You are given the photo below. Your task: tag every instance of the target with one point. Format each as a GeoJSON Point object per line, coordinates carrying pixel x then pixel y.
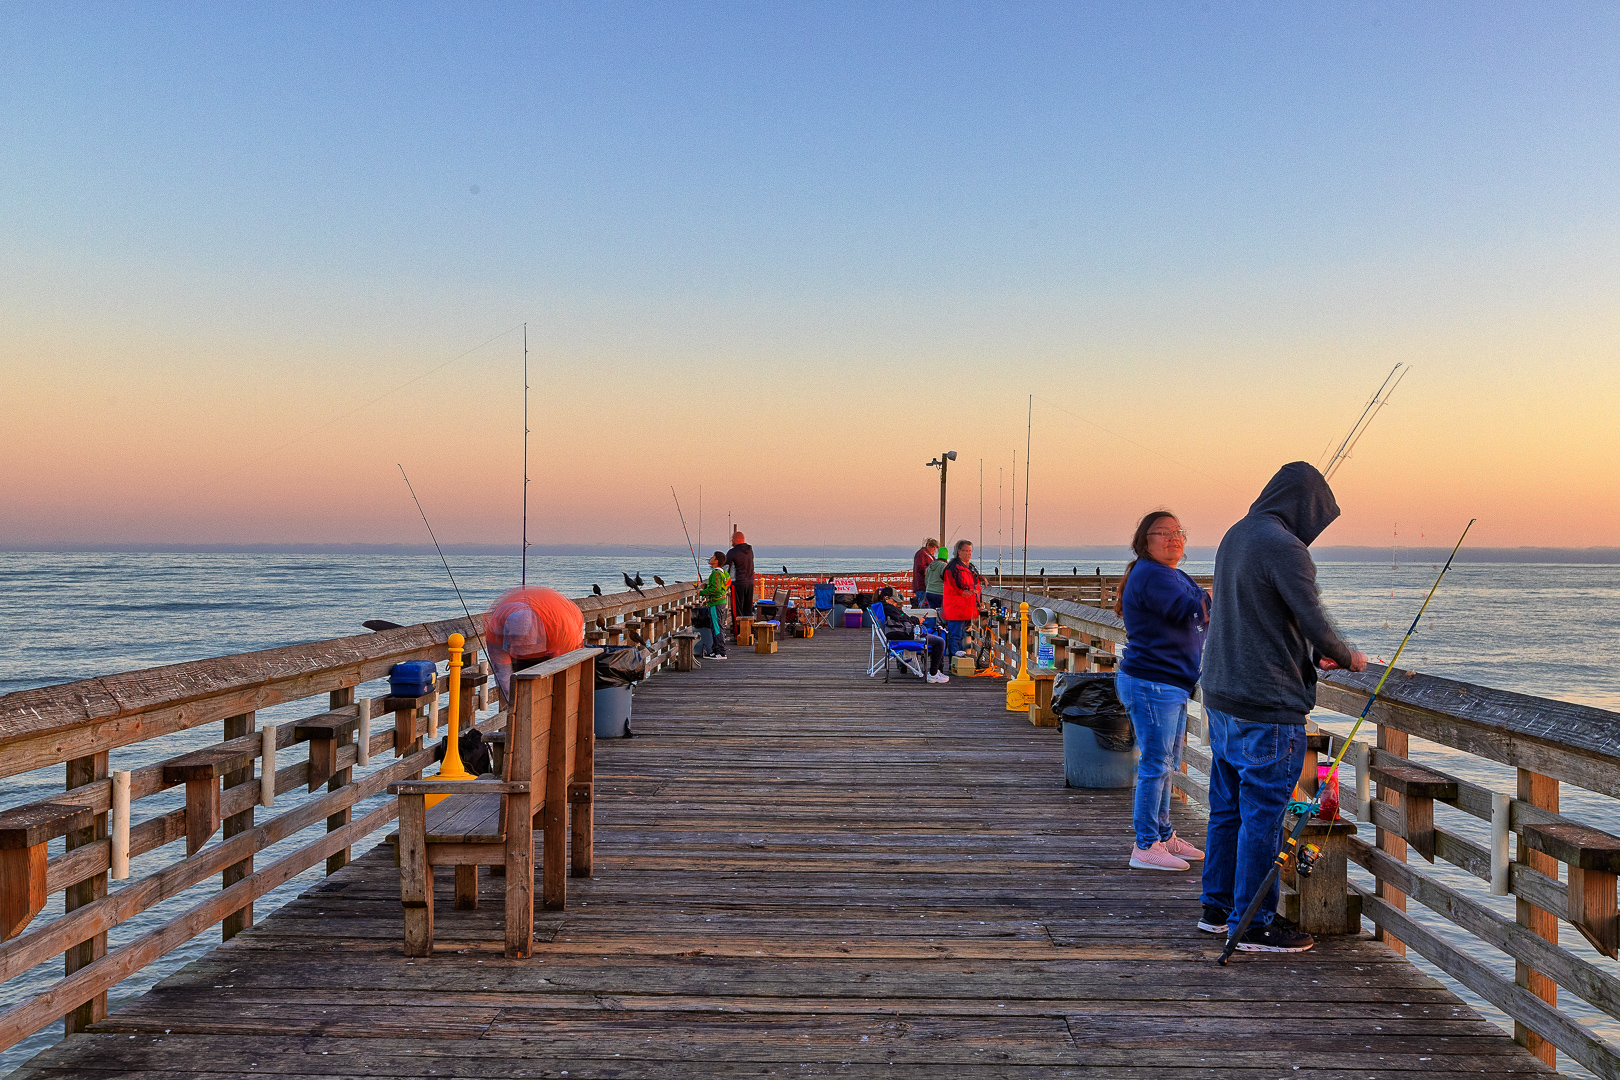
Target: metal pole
{"type": "Point", "coordinates": [944, 463]}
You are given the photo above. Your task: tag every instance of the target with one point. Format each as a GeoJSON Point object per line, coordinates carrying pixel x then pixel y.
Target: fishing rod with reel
{"type": "Point", "coordinates": [1305, 856]}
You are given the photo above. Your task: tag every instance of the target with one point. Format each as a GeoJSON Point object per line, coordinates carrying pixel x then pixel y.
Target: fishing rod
{"type": "Point", "coordinates": [523, 577]}
{"type": "Point", "coordinates": [472, 626]}
{"type": "Point", "coordinates": [1029, 431]}
{"type": "Point", "coordinates": [1375, 405]}
{"type": "Point", "coordinates": [1291, 842]}
{"type": "Point", "coordinates": [689, 546]}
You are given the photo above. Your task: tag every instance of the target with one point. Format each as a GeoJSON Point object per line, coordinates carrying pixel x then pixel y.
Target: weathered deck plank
{"type": "Point", "coordinates": [801, 871]}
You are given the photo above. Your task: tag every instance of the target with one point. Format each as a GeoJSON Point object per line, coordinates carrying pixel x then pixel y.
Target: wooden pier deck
{"type": "Point", "coordinates": [803, 872]}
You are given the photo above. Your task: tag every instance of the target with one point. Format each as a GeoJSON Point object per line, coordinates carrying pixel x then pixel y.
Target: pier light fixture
{"type": "Point", "coordinates": [941, 463]}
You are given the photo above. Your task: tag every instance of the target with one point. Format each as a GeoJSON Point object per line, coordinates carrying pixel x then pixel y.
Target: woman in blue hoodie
{"type": "Point", "coordinates": [1165, 615]}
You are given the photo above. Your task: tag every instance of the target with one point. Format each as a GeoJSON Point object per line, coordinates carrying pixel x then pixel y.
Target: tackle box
{"type": "Point", "coordinates": [414, 678]}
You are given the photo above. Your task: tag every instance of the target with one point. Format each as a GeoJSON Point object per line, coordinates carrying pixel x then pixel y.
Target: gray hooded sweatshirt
{"type": "Point", "coordinates": [1267, 626]}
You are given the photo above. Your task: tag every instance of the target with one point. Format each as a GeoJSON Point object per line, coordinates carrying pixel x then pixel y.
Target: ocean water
{"type": "Point", "coordinates": [1545, 629]}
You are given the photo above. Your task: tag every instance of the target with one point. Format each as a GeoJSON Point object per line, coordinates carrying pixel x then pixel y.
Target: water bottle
{"type": "Point", "coordinates": [1327, 793]}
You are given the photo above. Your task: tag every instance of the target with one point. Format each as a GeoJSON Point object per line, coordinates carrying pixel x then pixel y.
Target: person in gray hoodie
{"type": "Point", "coordinates": [1268, 635]}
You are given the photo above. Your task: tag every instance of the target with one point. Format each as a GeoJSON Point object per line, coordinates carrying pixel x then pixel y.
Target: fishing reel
{"type": "Point", "coordinates": [1305, 859]}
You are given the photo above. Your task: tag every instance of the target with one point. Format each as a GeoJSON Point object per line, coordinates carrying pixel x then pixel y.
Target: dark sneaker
{"type": "Point", "coordinates": [1214, 920]}
{"type": "Point", "coordinates": [1275, 938]}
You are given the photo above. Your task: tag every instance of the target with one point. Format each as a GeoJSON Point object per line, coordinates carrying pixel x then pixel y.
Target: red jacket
{"type": "Point", "coordinates": [919, 568]}
{"type": "Point", "coordinates": [961, 591]}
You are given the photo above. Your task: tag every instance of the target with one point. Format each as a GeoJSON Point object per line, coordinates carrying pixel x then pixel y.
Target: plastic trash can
{"type": "Point", "coordinates": [838, 615]}
{"type": "Point", "coordinates": [613, 712]}
{"type": "Point", "coordinates": [1088, 764]}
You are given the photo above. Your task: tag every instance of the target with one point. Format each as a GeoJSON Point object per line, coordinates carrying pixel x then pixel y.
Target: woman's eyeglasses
{"type": "Point", "coordinates": [1178, 534]}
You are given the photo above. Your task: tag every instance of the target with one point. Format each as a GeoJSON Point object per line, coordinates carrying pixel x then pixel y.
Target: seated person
{"type": "Point", "coordinates": [898, 626]}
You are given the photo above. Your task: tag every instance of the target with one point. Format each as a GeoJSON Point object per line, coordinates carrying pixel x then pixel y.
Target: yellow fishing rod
{"type": "Point", "coordinates": [1291, 841]}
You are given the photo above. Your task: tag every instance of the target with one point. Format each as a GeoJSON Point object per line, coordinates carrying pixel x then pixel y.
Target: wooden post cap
{"type": "Point", "coordinates": [1576, 845]}
{"type": "Point", "coordinates": [30, 826]}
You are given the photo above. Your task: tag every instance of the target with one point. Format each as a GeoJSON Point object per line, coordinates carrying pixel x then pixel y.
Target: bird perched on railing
{"type": "Point", "coordinates": [631, 585]}
{"type": "Point", "coordinates": [639, 582]}
{"type": "Point", "coordinates": [658, 579]}
{"type": "Point", "coordinates": [596, 590]}
{"type": "Point", "coordinates": [784, 569]}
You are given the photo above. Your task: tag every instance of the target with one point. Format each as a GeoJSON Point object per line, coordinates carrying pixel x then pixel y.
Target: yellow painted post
{"type": "Point", "coordinates": [452, 768]}
{"type": "Point", "coordinates": [1021, 690]}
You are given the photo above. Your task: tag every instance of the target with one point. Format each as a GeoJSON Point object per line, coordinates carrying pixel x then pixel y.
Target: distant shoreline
{"type": "Point", "coordinates": [1054, 557]}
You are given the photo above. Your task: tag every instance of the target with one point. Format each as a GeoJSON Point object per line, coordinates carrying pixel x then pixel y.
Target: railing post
{"type": "Point", "coordinates": [239, 920]}
{"type": "Point", "coordinates": [1395, 742]}
{"type": "Point", "coordinates": [337, 699]}
{"type": "Point", "coordinates": [1540, 791]}
{"type": "Point", "coordinates": [82, 771]}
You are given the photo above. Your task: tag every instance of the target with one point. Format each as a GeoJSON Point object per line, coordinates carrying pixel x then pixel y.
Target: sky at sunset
{"type": "Point", "coordinates": [253, 256]}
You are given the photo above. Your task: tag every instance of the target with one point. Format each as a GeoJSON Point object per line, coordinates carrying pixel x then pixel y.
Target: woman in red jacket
{"type": "Point", "coordinates": [962, 584]}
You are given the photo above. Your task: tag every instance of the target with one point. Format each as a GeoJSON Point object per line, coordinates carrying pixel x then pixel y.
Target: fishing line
{"type": "Point", "coordinates": [689, 546]}
{"type": "Point", "coordinates": [472, 627]}
{"type": "Point", "coordinates": [1292, 841]}
{"type": "Point", "coordinates": [1139, 446]}
{"type": "Point", "coordinates": [361, 408]}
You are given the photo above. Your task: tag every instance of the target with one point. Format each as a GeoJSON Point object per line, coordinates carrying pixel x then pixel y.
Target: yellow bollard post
{"type": "Point", "coordinates": [452, 768]}
{"type": "Point", "coordinates": [1021, 690]}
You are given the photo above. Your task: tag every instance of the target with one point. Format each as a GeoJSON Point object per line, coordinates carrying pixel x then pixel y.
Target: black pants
{"type": "Point", "coordinates": [745, 599]}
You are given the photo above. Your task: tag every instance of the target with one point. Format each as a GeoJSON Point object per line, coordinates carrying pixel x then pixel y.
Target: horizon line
{"type": "Point", "coordinates": [1083, 552]}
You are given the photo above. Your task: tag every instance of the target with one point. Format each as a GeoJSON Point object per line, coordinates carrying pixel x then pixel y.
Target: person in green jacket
{"type": "Point", "coordinates": [934, 581]}
{"type": "Point", "coordinates": [716, 594]}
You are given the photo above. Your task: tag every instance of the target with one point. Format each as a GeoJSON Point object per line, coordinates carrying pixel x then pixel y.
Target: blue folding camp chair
{"type": "Point", "coordinates": [820, 615]}
{"type": "Point", "coordinates": [907, 655]}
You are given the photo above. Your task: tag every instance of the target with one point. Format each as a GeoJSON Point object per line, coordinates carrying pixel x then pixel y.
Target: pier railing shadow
{"type": "Point", "coordinates": [1561, 871]}
{"type": "Point", "coordinates": [80, 843]}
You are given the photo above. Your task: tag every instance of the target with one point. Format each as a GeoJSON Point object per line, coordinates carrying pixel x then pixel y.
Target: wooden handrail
{"type": "Point", "coordinates": [82, 722]}
{"type": "Point", "coordinates": [1545, 739]}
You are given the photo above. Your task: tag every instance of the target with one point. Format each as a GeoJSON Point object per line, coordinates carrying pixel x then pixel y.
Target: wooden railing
{"type": "Point", "coordinates": [1547, 743]}
{"type": "Point", "coordinates": [84, 725]}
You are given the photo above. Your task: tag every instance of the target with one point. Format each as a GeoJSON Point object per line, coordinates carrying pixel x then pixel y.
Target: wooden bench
{"type": "Point", "coordinates": [549, 768]}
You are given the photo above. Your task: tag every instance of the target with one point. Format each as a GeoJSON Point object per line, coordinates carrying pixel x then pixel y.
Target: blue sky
{"type": "Point", "coordinates": [250, 196]}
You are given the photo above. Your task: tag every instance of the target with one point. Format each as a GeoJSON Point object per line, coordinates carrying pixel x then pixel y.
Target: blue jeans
{"type": "Point", "coordinates": [1159, 715]}
{"type": "Point", "coordinates": [1255, 769]}
{"type": "Point", "coordinates": [954, 629]}
{"type": "Point", "coordinates": [719, 631]}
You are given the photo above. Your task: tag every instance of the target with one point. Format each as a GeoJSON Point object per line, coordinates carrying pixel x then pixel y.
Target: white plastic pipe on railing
{"type": "Point", "coordinates": [433, 716]}
{"type": "Point", "coordinates": [267, 765]}
{"type": "Point", "coordinates": [363, 708]}
{"type": "Point", "coordinates": [1501, 811]}
{"type": "Point", "coordinates": [120, 825]}
{"type": "Point", "coordinates": [1363, 781]}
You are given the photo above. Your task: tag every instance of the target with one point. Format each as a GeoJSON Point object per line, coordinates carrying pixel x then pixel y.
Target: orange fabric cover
{"type": "Point", "coordinates": [533, 623]}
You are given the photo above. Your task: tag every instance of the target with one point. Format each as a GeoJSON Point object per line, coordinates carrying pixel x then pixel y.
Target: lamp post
{"type": "Point", "coordinates": [941, 463]}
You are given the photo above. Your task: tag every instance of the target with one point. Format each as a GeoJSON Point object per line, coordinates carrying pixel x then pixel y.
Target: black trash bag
{"type": "Point", "coordinates": [474, 751]}
{"type": "Point", "coordinates": [623, 665]}
{"type": "Point", "coordinates": [1088, 698]}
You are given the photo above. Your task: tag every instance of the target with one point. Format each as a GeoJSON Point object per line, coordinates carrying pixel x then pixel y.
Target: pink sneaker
{"type": "Point", "coordinates": [1156, 858]}
{"type": "Point", "coordinates": [1181, 849]}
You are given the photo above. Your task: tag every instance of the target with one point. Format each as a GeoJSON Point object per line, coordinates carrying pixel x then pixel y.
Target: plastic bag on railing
{"type": "Point", "coordinates": [530, 624]}
{"type": "Point", "coordinates": [1088, 698]}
